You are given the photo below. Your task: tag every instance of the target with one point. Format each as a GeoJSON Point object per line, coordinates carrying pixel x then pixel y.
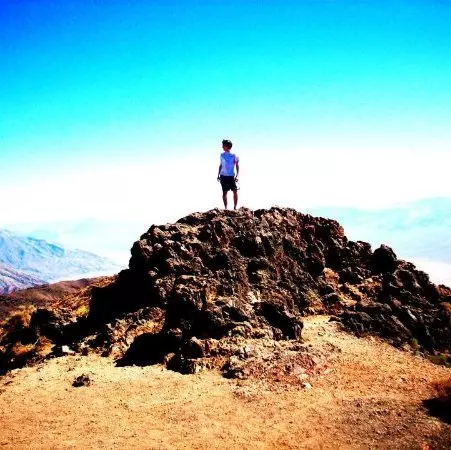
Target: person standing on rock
{"type": "Point", "coordinates": [226, 173]}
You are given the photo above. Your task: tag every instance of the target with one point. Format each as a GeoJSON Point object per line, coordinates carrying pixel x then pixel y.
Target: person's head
{"type": "Point", "coordinates": [226, 145]}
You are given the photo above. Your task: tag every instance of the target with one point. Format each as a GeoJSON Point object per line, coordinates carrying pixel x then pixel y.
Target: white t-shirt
{"type": "Point", "coordinates": [228, 161]}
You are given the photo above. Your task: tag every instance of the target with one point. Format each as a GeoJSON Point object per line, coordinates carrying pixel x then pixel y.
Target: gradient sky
{"type": "Point", "coordinates": [115, 109]}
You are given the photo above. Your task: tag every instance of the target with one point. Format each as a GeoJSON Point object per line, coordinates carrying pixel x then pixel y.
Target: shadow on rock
{"type": "Point", "coordinates": [149, 349]}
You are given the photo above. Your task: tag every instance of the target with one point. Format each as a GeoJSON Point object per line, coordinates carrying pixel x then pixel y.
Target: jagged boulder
{"type": "Point", "coordinates": [384, 260]}
{"type": "Point", "coordinates": [221, 273]}
{"type": "Point", "coordinates": [197, 289]}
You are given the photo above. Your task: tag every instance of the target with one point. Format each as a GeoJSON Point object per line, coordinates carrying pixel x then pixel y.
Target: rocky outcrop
{"type": "Point", "coordinates": [198, 291]}
{"type": "Point", "coordinates": [49, 295]}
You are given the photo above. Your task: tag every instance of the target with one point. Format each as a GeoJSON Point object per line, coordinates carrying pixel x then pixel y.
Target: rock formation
{"type": "Point", "coordinates": [217, 288]}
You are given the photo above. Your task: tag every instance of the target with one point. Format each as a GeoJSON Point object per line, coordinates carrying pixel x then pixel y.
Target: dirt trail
{"type": "Point", "coordinates": [370, 397]}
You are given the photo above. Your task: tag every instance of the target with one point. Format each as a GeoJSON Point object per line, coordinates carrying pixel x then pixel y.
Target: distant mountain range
{"type": "Point", "coordinates": [26, 262]}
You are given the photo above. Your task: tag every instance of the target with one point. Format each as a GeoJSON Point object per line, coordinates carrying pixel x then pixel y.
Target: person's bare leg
{"type": "Point", "coordinates": [235, 199]}
{"type": "Point", "coordinates": [224, 199]}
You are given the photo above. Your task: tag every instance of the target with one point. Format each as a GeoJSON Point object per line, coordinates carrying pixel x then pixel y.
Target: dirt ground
{"type": "Point", "coordinates": [370, 397]}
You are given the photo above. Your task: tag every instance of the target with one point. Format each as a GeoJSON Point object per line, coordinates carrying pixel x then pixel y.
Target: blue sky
{"type": "Point", "coordinates": [86, 80]}
{"type": "Point", "coordinates": [115, 110]}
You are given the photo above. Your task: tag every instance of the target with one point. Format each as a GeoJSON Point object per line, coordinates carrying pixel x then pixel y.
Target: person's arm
{"type": "Point", "coordinates": [219, 171]}
{"type": "Point", "coordinates": [237, 164]}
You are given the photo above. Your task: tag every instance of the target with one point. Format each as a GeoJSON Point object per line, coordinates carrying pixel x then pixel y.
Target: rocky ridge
{"type": "Point", "coordinates": [52, 296]}
{"type": "Point", "coordinates": [230, 289]}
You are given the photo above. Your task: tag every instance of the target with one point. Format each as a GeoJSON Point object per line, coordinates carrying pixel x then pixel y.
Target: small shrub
{"type": "Point", "coordinates": [18, 320]}
{"type": "Point", "coordinates": [82, 311]}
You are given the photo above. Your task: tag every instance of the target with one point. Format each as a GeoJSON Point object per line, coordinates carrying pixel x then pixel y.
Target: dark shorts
{"type": "Point", "coordinates": [228, 184]}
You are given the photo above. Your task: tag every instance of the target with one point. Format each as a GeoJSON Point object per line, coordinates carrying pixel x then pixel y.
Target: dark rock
{"type": "Point", "coordinates": [326, 289]}
{"type": "Point", "coordinates": [249, 245]}
{"type": "Point", "coordinates": [351, 275]}
{"type": "Point", "coordinates": [279, 317]}
{"type": "Point", "coordinates": [194, 348]}
{"type": "Point", "coordinates": [384, 260]}
{"type": "Point", "coordinates": [48, 324]}
{"type": "Point", "coordinates": [377, 318]}
{"type": "Point", "coordinates": [234, 368]}
{"type": "Point", "coordinates": [180, 363]}
{"type": "Point", "coordinates": [82, 380]}
{"type": "Point", "coordinates": [332, 299]}
{"type": "Point", "coordinates": [148, 349]}
{"type": "Point", "coordinates": [315, 265]}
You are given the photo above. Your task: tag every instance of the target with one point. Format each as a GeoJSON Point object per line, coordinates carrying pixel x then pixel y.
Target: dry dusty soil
{"type": "Point", "coordinates": [370, 396]}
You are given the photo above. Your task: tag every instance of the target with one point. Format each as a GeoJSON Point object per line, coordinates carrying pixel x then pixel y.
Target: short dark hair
{"type": "Point", "coordinates": [227, 143]}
